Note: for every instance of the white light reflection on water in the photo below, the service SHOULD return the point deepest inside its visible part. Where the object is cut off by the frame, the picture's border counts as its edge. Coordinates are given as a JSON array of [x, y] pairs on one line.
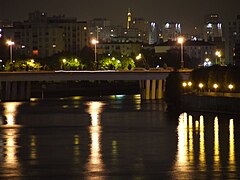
[[95, 163]]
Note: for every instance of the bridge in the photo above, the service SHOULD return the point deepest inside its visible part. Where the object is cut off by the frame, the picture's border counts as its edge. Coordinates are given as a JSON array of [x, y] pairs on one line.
[[16, 86]]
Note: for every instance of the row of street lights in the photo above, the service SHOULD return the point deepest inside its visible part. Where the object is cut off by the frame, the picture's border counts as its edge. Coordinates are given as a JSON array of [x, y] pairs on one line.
[[95, 41], [201, 85]]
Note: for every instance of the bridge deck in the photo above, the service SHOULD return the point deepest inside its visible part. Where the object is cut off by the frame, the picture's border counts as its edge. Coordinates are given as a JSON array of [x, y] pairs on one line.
[[87, 75]]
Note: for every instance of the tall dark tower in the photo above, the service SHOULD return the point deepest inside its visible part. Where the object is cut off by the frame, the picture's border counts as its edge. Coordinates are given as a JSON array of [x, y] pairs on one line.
[[129, 18]]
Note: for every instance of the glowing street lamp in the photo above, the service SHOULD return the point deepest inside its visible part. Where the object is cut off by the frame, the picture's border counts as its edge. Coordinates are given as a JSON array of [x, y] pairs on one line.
[[63, 63], [141, 57], [218, 55], [200, 85], [10, 44], [184, 84], [190, 84], [95, 42], [230, 87], [215, 86], [180, 41]]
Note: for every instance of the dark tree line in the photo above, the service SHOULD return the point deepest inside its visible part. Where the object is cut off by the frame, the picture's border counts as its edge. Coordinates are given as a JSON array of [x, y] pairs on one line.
[[221, 75]]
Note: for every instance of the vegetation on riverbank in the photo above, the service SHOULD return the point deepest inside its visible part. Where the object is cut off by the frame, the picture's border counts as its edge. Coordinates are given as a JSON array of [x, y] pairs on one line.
[[223, 76]]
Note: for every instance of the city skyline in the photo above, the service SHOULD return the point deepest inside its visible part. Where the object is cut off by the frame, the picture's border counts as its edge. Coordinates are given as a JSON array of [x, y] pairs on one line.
[[189, 13]]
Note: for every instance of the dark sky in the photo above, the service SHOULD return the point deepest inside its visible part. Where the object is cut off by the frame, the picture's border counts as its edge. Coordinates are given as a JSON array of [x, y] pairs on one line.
[[188, 12]]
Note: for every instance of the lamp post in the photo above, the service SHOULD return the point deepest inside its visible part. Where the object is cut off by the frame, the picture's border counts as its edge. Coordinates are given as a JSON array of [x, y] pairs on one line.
[[200, 85], [180, 41], [10, 44], [141, 57], [218, 55], [230, 87], [95, 42]]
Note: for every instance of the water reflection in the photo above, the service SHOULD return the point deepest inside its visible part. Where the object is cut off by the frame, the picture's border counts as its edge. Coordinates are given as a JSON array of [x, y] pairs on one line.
[[11, 165], [33, 147], [10, 112], [192, 138], [202, 154], [95, 163], [182, 161], [231, 162], [216, 156]]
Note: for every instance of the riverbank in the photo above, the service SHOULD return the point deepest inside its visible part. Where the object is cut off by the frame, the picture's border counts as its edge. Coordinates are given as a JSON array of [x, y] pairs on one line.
[[211, 103]]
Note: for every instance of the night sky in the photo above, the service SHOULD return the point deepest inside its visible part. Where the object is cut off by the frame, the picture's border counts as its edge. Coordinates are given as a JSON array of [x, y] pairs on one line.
[[188, 12]]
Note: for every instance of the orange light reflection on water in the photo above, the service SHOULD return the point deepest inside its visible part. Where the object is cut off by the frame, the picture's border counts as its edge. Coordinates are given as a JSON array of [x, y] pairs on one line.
[[95, 163]]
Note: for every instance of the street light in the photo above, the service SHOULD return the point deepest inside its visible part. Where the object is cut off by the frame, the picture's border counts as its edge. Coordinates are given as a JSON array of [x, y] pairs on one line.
[[95, 42], [200, 85], [230, 87], [141, 57], [10, 44], [219, 55], [180, 41], [215, 86], [184, 84]]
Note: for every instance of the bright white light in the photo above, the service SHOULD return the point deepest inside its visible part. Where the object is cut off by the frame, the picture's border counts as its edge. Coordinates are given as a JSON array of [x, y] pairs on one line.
[[167, 25], [209, 25], [10, 43], [94, 41]]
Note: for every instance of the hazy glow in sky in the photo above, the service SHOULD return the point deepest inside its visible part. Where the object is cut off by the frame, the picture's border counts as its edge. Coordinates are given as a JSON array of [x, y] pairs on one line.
[[188, 12]]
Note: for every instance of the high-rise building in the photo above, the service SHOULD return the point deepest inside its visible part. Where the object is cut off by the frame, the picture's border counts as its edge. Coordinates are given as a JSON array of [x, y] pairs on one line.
[[97, 28], [232, 40], [153, 33], [43, 36], [213, 28], [171, 30], [141, 27], [129, 18]]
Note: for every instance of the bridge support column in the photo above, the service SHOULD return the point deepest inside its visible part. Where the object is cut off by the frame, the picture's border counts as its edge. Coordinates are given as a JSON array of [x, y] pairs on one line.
[[151, 89], [147, 95], [15, 91], [159, 93]]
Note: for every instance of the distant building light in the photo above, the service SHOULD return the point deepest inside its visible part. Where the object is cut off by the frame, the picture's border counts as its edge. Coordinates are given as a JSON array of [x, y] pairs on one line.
[[23, 46], [167, 25], [35, 52], [219, 26], [54, 45], [209, 25], [84, 28]]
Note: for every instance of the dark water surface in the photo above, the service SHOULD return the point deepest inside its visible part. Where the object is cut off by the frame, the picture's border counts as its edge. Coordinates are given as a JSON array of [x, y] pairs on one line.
[[115, 137]]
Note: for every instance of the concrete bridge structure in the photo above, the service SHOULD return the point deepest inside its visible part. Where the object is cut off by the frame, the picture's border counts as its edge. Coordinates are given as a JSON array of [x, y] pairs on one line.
[[16, 86]]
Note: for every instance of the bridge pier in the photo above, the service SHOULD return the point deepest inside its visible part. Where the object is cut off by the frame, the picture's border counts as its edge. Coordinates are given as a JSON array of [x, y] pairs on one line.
[[152, 89], [15, 91]]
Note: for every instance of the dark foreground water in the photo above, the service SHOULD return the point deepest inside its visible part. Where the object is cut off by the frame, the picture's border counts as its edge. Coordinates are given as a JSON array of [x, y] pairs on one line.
[[115, 137]]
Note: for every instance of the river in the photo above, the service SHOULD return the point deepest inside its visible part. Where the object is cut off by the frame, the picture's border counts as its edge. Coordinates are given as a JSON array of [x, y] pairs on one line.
[[115, 137]]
